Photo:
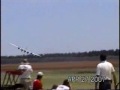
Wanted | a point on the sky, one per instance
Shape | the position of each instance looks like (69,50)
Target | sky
(59,26)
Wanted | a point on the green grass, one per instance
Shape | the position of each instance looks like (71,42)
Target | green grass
(57,76)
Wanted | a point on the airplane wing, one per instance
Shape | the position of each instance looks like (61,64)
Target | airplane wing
(23,50)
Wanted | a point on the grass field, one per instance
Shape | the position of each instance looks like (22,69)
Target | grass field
(56,77)
(56,72)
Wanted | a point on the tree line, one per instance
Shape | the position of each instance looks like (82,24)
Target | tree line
(58,56)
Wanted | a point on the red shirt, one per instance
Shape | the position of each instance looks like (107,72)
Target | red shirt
(37,85)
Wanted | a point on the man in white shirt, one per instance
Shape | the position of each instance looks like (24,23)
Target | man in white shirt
(25,78)
(105,70)
(64,86)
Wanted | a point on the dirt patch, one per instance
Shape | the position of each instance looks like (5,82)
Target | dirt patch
(60,65)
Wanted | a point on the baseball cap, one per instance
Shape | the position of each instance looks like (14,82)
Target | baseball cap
(40,73)
(25,61)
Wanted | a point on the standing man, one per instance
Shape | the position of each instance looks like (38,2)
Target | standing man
(37,84)
(25,78)
(105,70)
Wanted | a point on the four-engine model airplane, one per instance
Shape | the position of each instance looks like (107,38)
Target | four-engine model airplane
(23,50)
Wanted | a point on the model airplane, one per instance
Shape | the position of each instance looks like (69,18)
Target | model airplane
(23,50)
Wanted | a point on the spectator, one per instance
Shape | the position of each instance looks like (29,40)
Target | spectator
(105,70)
(64,86)
(25,78)
(37,84)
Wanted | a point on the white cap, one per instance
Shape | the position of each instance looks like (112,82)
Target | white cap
(40,73)
(25,61)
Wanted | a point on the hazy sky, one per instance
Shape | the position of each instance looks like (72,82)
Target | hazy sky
(59,26)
